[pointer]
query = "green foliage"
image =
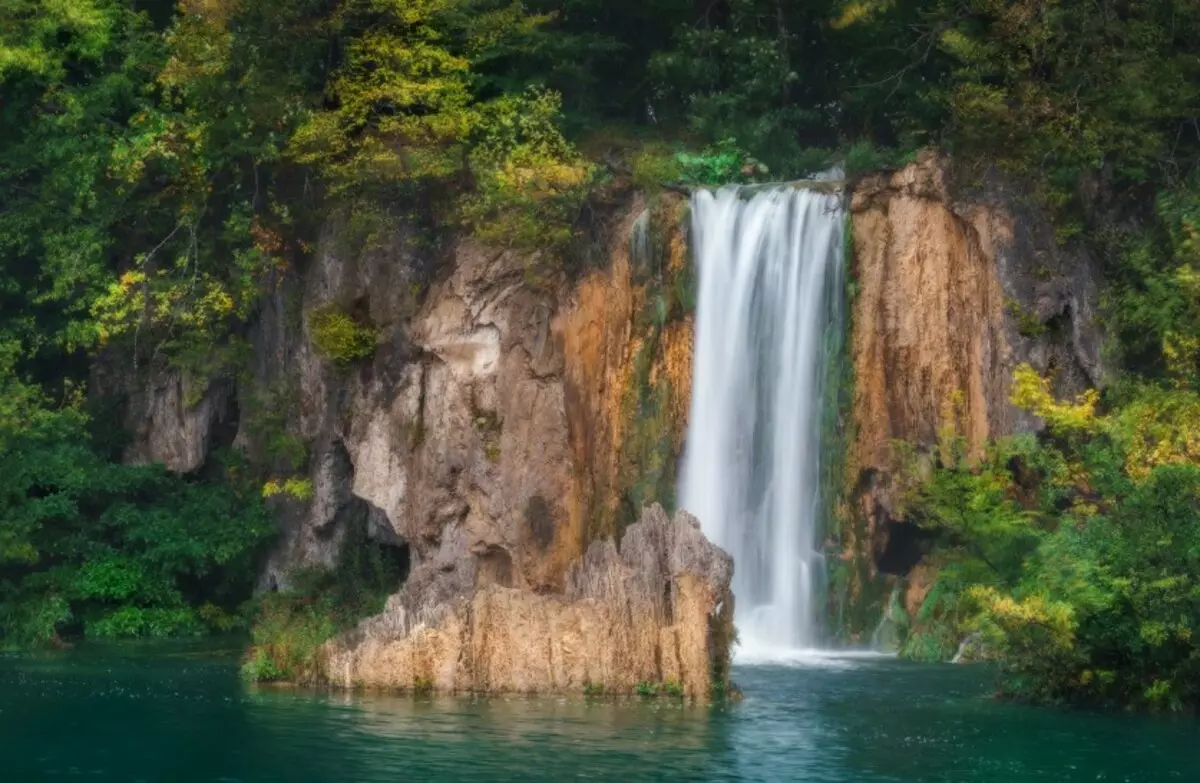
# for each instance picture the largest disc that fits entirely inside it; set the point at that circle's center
(113, 550)
(135, 621)
(338, 336)
(862, 157)
(530, 182)
(655, 165)
(670, 688)
(593, 689)
(298, 488)
(719, 164)
(1106, 614)
(266, 414)
(1152, 299)
(1073, 558)
(1027, 323)
(939, 622)
(288, 632)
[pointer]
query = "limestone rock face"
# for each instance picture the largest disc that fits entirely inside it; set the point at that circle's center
(951, 297)
(657, 608)
(952, 293)
(169, 428)
(500, 426)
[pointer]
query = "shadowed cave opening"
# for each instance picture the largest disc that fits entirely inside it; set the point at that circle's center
(371, 557)
(904, 545)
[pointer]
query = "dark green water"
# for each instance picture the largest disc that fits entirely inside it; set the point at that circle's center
(134, 716)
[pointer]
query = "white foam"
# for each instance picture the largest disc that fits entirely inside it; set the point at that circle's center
(806, 657)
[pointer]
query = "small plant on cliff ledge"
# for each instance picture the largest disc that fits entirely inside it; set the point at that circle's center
(338, 337)
(489, 427)
(593, 688)
(293, 487)
(647, 689)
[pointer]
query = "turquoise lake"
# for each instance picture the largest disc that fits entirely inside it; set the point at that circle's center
(131, 714)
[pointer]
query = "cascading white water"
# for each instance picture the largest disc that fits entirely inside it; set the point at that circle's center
(770, 263)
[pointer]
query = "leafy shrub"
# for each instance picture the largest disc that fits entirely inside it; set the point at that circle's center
(338, 337)
(293, 487)
(655, 165)
(720, 164)
(530, 183)
(287, 635)
(110, 549)
(130, 622)
(862, 156)
(1074, 558)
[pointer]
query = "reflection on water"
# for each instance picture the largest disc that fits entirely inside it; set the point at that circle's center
(126, 716)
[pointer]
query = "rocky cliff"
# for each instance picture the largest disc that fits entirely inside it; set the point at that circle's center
(952, 289)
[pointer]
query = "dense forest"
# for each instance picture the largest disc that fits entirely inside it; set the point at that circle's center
(164, 164)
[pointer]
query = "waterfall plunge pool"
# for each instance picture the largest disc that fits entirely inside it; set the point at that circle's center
(136, 714)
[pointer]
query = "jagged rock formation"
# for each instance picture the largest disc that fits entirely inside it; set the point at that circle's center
(952, 293)
(658, 609)
(169, 418)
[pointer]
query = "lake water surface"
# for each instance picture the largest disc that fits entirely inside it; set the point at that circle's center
(130, 714)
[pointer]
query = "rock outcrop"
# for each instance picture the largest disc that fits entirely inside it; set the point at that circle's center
(505, 420)
(656, 609)
(170, 419)
(951, 294)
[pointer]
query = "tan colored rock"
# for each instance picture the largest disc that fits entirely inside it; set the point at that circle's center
(929, 321)
(953, 291)
(657, 609)
(604, 339)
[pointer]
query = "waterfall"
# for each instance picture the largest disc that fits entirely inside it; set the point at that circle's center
(770, 268)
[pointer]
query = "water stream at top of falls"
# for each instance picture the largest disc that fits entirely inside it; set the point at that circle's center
(770, 269)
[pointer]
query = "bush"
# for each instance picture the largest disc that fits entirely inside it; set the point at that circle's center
(1075, 559)
(131, 622)
(289, 630)
(338, 337)
(530, 183)
(115, 550)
